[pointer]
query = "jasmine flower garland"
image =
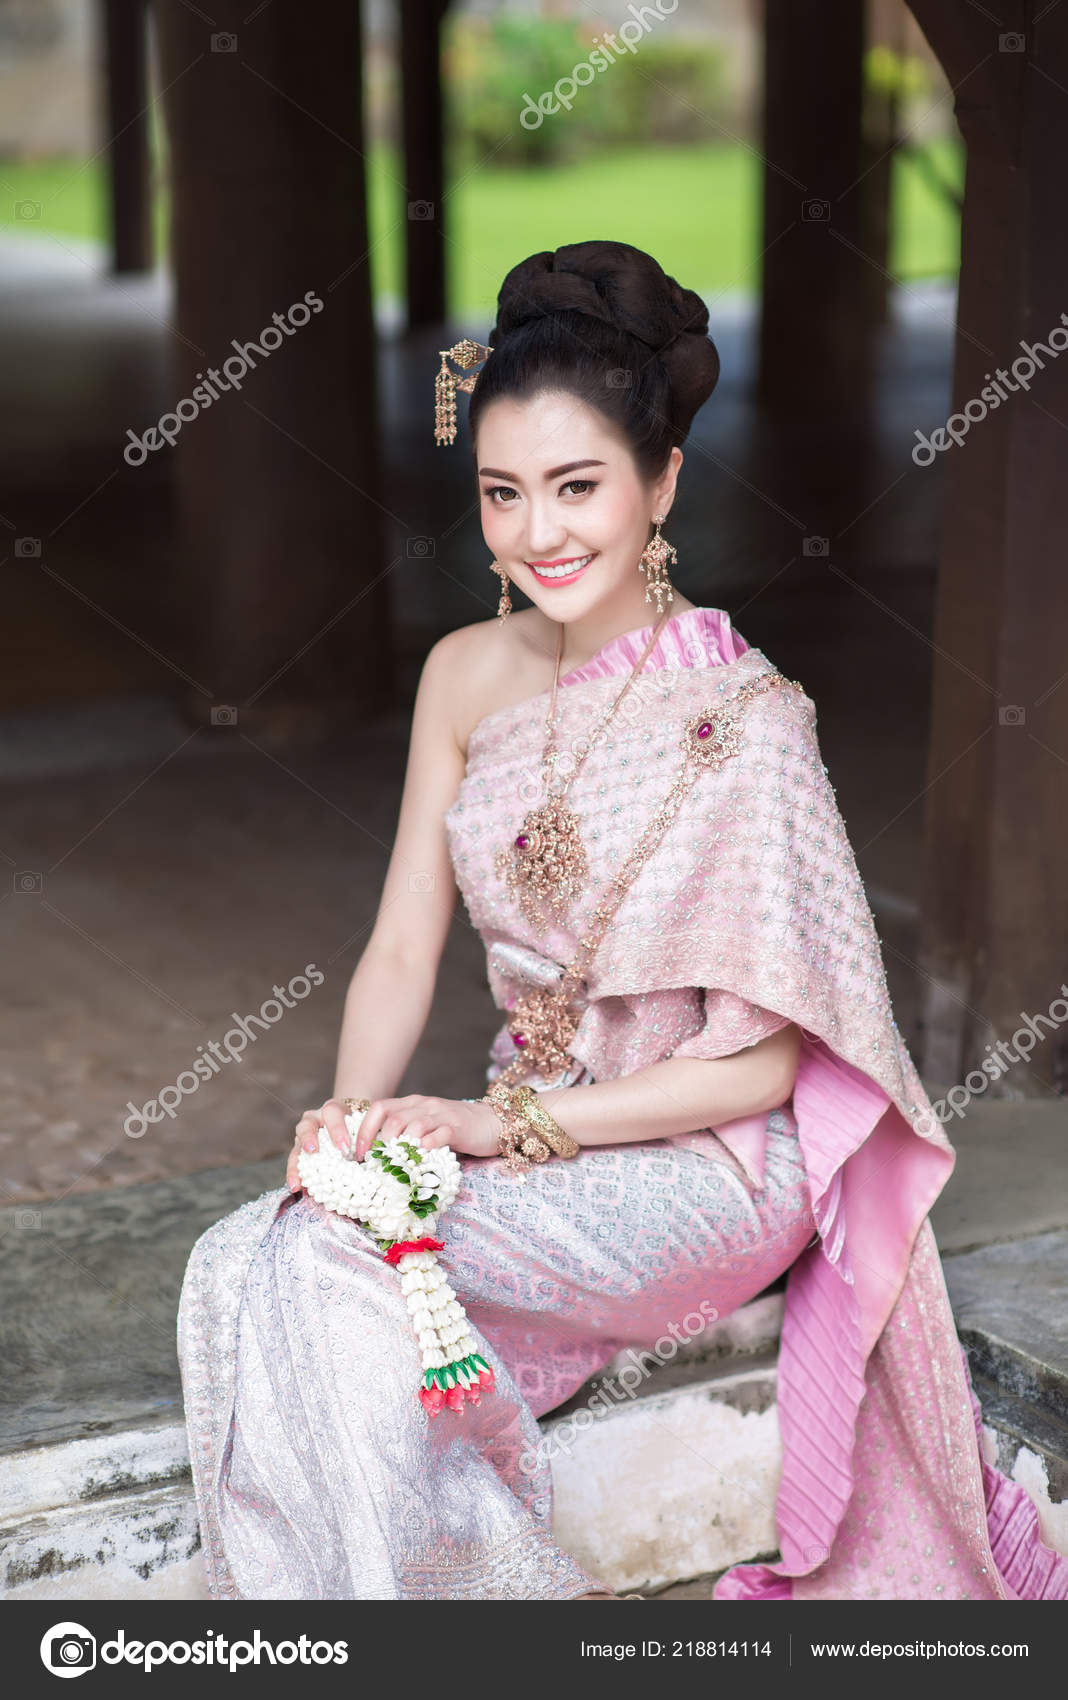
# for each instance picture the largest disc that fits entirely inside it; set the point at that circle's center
(397, 1193)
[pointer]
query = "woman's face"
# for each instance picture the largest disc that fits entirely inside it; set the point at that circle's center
(563, 507)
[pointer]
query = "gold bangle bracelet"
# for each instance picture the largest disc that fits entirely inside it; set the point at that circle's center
(518, 1144)
(529, 1105)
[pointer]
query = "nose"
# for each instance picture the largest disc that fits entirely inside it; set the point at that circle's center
(546, 535)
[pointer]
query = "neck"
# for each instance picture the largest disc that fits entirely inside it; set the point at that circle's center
(627, 612)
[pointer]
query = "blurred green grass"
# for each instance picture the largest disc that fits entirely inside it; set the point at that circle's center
(697, 208)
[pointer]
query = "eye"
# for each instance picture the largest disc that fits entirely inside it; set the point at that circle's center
(581, 485)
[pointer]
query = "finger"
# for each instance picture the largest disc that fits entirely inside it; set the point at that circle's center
(334, 1116)
(432, 1134)
(370, 1126)
(371, 1123)
(393, 1126)
(307, 1135)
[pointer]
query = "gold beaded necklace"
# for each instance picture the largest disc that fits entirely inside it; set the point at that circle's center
(543, 1023)
(545, 866)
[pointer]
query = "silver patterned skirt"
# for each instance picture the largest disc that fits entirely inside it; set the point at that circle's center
(318, 1474)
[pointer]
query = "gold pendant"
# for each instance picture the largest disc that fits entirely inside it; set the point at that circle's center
(546, 864)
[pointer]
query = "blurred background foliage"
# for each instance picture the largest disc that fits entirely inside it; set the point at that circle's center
(660, 148)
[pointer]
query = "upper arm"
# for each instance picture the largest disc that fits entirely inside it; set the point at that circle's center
(781, 1052)
(733, 1025)
(419, 891)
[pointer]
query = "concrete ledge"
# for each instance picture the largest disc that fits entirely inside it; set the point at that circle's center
(79, 1472)
(1010, 1302)
(88, 1298)
(140, 1545)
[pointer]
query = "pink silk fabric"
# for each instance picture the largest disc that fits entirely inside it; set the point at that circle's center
(752, 914)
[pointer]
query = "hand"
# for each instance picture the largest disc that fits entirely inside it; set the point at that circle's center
(307, 1137)
(472, 1129)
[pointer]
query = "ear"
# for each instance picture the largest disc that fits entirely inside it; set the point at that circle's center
(665, 486)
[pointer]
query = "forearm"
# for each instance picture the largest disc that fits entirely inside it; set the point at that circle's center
(680, 1094)
(386, 1010)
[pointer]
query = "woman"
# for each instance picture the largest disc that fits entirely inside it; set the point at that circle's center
(636, 814)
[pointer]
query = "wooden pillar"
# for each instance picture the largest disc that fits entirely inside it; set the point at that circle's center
(126, 102)
(816, 320)
(424, 171)
(284, 566)
(995, 917)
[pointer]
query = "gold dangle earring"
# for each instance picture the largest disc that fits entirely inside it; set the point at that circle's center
(504, 606)
(653, 562)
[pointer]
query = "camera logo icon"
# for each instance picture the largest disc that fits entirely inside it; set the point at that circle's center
(68, 1649)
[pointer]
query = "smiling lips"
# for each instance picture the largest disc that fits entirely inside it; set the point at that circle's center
(560, 572)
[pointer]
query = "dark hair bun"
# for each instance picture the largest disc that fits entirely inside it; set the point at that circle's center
(625, 288)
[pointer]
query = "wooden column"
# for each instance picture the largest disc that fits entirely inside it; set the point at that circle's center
(995, 919)
(126, 100)
(816, 318)
(424, 170)
(284, 567)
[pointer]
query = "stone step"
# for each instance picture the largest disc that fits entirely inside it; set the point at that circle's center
(144, 1544)
(1010, 1303)
(113, 1516)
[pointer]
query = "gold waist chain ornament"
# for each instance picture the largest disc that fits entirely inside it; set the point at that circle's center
(543, 1023)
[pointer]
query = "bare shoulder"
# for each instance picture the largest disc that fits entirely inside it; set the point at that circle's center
(486, 666)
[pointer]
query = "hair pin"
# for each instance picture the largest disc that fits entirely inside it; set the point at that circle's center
(465, 353)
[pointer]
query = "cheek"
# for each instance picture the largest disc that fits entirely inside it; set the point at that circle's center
(498, 521)
(614, 513)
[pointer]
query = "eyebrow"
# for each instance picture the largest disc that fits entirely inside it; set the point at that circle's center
(555, 472)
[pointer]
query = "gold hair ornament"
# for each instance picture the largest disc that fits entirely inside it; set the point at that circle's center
(465, 353)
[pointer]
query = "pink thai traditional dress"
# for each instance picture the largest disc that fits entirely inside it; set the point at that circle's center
(317, 1472)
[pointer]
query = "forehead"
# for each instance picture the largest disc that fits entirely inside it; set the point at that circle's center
(544, 430)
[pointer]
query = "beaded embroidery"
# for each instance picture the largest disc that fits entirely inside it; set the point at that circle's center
(544, 1022)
